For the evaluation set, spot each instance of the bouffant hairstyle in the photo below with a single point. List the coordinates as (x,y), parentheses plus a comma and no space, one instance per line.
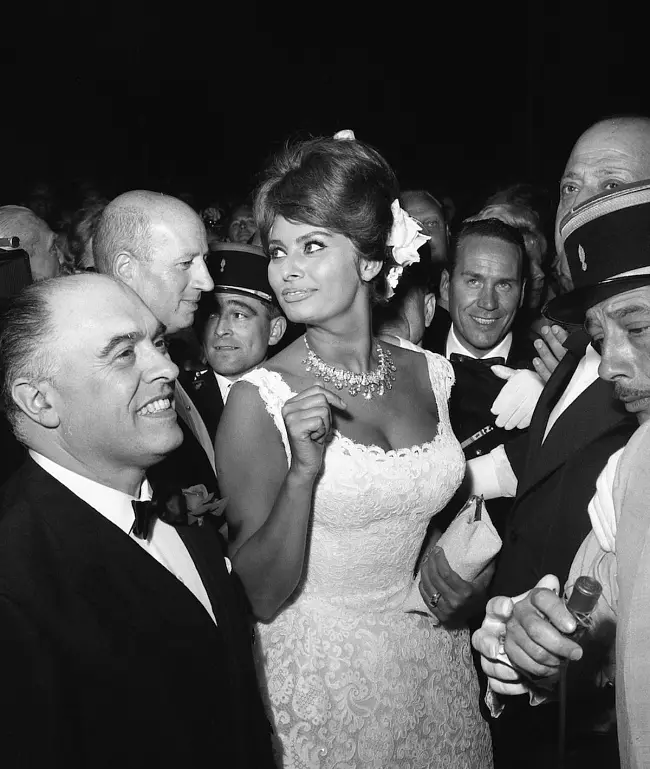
(344,186)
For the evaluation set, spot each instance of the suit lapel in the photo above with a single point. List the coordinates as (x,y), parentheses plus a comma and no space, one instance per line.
(556,385)
(592,414)
(207,397)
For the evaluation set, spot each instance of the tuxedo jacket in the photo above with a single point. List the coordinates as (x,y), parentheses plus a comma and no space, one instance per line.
(557,476)
(204,391)
(106,659)
(476,389)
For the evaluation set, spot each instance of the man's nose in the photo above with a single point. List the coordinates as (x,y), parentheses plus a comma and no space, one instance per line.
(615,360)
(223,326)
(201,278)
(161,366)
(487,298)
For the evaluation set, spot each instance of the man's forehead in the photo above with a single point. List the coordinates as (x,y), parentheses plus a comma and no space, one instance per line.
(613,142)
(99,310)
(637,300)
(421,207)
(226,300)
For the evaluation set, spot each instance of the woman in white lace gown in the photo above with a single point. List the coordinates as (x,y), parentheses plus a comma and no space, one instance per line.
(331,491)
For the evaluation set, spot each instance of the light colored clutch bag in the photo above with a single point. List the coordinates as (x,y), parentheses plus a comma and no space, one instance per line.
(469,543)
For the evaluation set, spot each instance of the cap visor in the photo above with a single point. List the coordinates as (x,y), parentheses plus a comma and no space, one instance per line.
(571,308)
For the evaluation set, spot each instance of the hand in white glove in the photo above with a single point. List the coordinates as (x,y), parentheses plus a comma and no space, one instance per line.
(488,640)
(601,508)
(516,402)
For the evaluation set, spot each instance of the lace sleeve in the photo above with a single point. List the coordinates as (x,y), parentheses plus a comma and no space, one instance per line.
(274,392)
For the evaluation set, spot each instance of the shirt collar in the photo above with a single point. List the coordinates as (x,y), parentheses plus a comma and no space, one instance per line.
(502,350)
(111,503)
(224,385)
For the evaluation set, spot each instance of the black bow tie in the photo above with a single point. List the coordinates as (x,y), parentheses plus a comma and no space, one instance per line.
(457,357)
(179,508)
(145,513)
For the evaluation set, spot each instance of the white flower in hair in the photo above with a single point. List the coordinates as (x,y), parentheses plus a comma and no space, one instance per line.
(394,274)
(346,135)
(405,238)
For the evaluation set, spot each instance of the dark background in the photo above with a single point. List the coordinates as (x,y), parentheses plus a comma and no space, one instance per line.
(460,100)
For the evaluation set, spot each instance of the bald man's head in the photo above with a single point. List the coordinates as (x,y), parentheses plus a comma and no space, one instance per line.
(610,153)
(156,244)
(36,238)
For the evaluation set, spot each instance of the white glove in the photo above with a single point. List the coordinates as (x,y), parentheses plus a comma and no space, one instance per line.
(516,402)
(488,640)
(601,508)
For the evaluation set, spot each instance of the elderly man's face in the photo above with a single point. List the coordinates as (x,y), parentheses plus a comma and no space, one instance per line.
(620,330)
(242,225)
(432,220)
(171,281)
(114,385)
(606,156)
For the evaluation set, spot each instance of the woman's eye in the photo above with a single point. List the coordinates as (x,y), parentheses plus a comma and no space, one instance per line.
(312,246)
(161,344)
(276,253)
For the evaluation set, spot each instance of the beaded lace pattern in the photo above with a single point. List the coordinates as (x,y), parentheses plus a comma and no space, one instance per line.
(352,681)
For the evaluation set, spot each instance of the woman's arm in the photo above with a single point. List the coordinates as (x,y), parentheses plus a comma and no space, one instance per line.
(269,504)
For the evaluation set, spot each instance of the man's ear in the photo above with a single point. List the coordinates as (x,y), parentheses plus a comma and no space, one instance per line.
(126,267)
(369,268)
(277,329)
(36,400)
(444,286)
(429,308)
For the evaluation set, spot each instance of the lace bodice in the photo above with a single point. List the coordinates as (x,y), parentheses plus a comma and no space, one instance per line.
(353,681)
(371,506)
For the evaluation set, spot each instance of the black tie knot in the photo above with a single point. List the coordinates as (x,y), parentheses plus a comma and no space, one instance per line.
(457,357)
(178,507)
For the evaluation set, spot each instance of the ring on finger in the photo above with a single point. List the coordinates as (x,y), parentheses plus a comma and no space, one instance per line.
(433,600)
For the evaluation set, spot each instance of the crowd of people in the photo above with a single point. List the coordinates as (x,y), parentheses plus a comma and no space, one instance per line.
(307,481)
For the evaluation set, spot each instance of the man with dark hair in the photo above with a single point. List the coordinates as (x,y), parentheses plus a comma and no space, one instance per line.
(577,426)
(429,212)
(606,244)
(118,628)
(484,287)
(237,324)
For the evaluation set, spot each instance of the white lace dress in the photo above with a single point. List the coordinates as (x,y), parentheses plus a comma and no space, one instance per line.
(353,681)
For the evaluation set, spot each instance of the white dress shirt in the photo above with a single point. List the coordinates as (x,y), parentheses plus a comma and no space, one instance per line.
(586,374)
(164,543)
(502,350)
(224,386)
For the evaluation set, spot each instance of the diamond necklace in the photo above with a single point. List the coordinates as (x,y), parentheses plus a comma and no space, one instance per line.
(369,384)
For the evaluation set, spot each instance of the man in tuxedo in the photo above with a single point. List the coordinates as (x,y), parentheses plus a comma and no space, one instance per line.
(613,296)
(237,324)
(124,639)
(577,424)
(484,289)
(157,245)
